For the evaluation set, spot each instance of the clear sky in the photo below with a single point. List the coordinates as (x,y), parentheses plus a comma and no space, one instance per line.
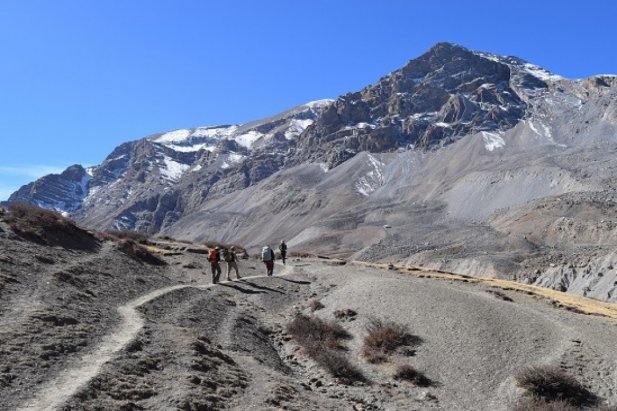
(77,77)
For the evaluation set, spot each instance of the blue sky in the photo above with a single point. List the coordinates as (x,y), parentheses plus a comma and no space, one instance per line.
(77,78)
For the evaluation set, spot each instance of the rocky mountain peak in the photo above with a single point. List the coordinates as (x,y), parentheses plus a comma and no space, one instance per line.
(74,173)
(446,93)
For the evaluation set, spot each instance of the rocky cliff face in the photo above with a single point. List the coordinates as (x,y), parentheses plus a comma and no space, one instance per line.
(64,192)
(149,184)
(447,93)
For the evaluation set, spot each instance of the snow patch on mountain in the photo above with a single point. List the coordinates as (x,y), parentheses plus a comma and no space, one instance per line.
(541,73)
(372,180)
(173,136)
(361,125)
(214,131)
(247,139)
(319,104)
(172,170)
(492,141)
(231,159)
(191,148)
(296,127)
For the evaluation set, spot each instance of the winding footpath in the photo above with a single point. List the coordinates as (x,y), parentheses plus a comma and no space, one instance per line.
(56,392)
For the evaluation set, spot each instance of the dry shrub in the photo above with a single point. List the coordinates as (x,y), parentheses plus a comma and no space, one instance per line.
(408,373)
(316,305)
(299,254)
(384,338)
(345,314)
(321,340)
(552,384)
(49,227)
(138,252)
(500,295)
(135,236)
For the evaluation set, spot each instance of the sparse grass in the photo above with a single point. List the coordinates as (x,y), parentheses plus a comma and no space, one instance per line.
(346,314)
(500,295)
(550,384)
(48,227)
(384,338)
(408,373)
(321,340)
(135,236)
(299,254)
(139,252)
(583,305)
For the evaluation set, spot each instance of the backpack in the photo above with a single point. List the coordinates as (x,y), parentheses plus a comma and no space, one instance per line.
(213,255)
(228,256)
(266,254)
(283,247)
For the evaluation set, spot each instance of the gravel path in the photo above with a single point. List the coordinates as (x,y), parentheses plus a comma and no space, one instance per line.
(59,390)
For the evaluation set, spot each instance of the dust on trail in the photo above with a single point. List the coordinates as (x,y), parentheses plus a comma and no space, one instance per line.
(59,390)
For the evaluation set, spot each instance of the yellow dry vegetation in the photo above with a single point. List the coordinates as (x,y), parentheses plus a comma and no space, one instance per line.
(161,251)
(568,301)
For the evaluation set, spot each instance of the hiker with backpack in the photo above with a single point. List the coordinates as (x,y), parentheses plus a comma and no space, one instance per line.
(267,256)
(229,255)
(283,250)
(214,257)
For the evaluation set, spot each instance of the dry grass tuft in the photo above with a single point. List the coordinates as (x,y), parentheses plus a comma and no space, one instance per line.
(500,295)
(384,338)
(300,254)
(322,341)
(408,373)
(316,305)
(139,252)
(48,227)
(552,384)
(135,236)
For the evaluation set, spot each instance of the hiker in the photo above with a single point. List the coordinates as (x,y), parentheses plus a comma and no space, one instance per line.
(229,255)
(267,256)
(283,250)
(214,256)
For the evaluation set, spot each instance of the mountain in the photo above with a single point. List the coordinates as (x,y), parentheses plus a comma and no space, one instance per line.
(461,160)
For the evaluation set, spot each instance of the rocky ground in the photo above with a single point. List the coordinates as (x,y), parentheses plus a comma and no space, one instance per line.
(179,343)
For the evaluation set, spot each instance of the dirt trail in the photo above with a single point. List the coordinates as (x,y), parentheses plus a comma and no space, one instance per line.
(59,390)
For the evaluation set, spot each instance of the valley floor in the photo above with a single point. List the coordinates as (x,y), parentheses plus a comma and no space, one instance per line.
(199,347)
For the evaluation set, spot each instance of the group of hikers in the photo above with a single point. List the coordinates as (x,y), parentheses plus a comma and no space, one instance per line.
(229,256)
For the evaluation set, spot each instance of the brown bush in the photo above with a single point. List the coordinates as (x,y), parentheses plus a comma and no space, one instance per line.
(384,338)
(49,227)
(300,254)
(500,295)
(316,305)
(408,373)
(135,236)
(313,330)
(552,384)
(321,340)
(139,252)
